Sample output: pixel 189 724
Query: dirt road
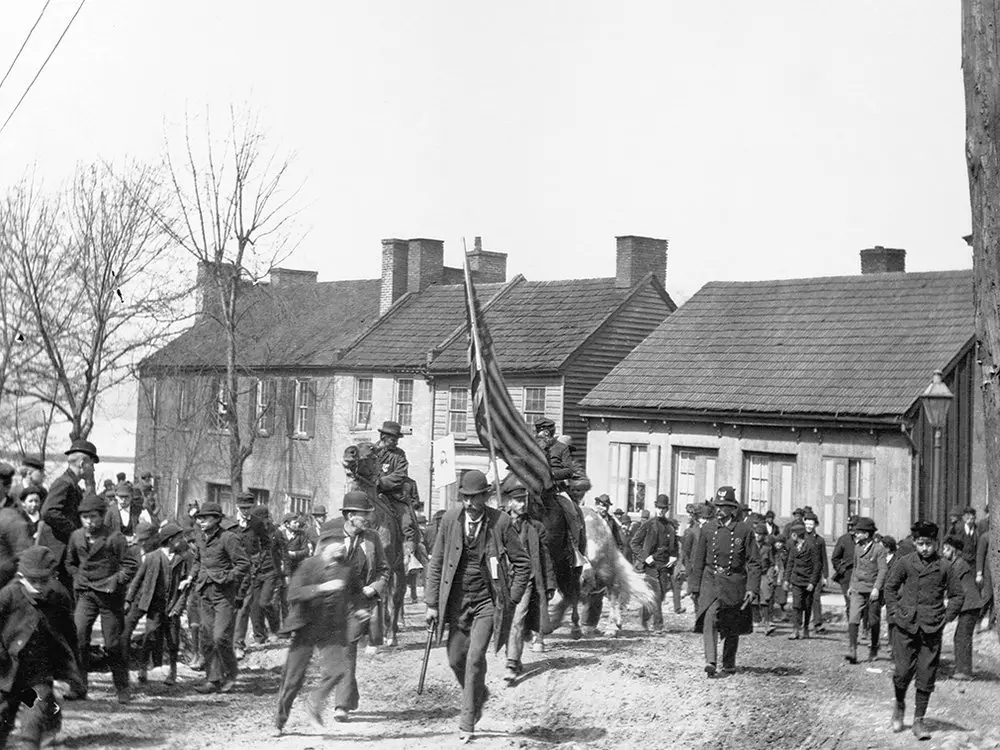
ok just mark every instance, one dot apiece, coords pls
pixel 635 691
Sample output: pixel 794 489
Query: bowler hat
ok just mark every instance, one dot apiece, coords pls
pixel 35 462
pixel 319 510
pixel 6 472
pixel 955 541
pixel 603 500
pixel 544 424
pixel 726 496
pixel 144 532
pixel 36 562
pixel 245 500
pixel 662 501
pixel 358 501
pixel 889 542
pixel 865 524
pixel 473 483
pixel 169 531
pixel 332 530
pixel 626 518
pixel 619 512
pixel 93 502
pixel 390 428
pixel 84 446
pixel 927 529
pixel 210 509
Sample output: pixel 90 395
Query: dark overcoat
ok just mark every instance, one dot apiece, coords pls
pixel 60 515
pixel 532 536
pixel 724 566
pixel 500 544
pixel 916 589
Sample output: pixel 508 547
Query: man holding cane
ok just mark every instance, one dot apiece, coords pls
pixel 477 571
pixel 725 574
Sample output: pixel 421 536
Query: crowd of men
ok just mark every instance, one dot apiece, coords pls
pixel 201 582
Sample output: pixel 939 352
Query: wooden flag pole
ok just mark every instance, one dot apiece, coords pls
pixel 474 332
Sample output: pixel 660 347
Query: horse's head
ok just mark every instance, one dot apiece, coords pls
pixel 359 462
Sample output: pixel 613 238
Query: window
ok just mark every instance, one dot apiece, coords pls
pixel 363 401
pixel 221 494
pixel 694 479
pixel 847 491
pixel 299 504
pixel 218 408
pixel 263 403
pixel 634 476
pixel 404 402
pixel 768 482
pixel 534 404
pixel 458 410
pixel 261 497
pixel 305 408
pixel 859 486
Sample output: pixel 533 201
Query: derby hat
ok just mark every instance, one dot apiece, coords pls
pixel 866 524
pixel 619 512
pixel 357 500
pixel 390 428
pixel 662 501
pixel 169 531
pixel 726 497
pixel 319 510
pixel 210 509
pixel 603 500
pixel 474 483
pixel 84 446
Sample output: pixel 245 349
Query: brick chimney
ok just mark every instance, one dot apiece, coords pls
pixel 395 257
pixel 638 256
pixel 288 277
pixel 207 288
pixel 487 267
pixel 880 259
pixel 425 263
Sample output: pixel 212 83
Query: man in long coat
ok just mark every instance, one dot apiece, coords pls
pixel 476 573
pixel 725 576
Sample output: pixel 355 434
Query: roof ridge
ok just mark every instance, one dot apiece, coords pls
pixel 865 277
pixel 392 311
pixel 447 341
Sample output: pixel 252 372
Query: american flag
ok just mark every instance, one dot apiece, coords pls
pixel 500 427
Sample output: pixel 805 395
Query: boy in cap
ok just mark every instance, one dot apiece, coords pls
pixel 802 575
pixel 810 520
pixel 868 573
pixel 220 569
pixel 156 595
pixel 768 578
pixel 725 574
pixel 366 556
pixel 318 595
pixel 470 589
pixel 102 567
pixel 37 646
pixel 915 593
pixel 951 550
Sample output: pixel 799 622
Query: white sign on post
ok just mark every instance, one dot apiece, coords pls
pixel 444 461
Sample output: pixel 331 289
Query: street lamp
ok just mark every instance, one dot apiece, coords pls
pixel 936 400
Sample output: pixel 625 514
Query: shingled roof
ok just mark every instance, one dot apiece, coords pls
pixel 299 325
pixel 537 325
pixel 851 345
pixel 414 325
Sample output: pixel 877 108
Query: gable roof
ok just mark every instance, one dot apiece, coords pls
pixel 848 345
pixel 299 325
pixel 537 325
pixel 417 323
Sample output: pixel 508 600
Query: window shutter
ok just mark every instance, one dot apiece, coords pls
pixel 288 403
pixel 311 410
pixel 653 474
pixel 252 399
pixel 272 405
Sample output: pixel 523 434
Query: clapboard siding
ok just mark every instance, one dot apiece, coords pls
pixel 609 345
pixel 515 387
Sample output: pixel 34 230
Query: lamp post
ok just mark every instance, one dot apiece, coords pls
pixel 936 400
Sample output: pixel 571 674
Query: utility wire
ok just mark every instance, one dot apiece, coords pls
pixel 54 48
pixel 25 43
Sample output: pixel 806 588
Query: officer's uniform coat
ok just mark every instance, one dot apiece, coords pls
pixel 725 565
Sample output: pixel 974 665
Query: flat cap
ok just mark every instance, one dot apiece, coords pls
pixel 93 502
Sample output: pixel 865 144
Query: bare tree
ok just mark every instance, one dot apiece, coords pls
pixel 91 268
pixel 232 212
pixel 981 67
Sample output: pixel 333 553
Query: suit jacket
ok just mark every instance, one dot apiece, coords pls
pixel 20 617
pixel 501 551
pixel 657 537
pixel 60 513
pixel 725 565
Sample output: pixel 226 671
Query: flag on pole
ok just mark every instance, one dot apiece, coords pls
pixel 500 427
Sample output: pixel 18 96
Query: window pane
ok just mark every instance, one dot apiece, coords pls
pixel 710 476
pixel 404 402
pixel 404 391
pixel 363 398
pixel 867 469
pixel 786 489
pixel 404 415
pixel 457 410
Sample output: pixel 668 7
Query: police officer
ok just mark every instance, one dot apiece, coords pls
pixel 725 575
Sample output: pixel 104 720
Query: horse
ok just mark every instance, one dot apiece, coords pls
pixel 362 471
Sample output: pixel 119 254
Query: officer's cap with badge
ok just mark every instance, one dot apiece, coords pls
pixel 725 497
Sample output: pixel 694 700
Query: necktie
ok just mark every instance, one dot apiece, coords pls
pixel 471 536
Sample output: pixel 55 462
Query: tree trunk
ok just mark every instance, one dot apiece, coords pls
pixel 981 68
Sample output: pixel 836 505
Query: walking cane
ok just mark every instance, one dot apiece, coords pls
pixel 427 656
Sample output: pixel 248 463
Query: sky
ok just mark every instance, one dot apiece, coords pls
pixel 763 140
